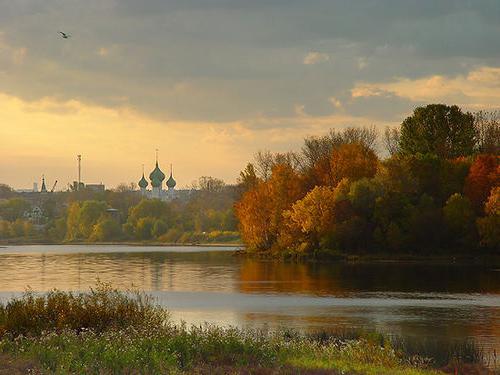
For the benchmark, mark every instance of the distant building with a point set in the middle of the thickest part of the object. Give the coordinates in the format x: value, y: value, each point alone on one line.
x: 97, y: 188
x: 156, y: 178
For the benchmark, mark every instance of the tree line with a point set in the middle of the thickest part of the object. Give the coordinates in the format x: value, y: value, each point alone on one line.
x: 437, y: 191
x: 205, y: 214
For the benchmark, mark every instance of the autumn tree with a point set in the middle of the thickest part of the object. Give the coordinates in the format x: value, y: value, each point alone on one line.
x: 483, y: 175
x: 266, y: 161
x: 352, y: 161
x: 248, y: 178
x: 260, y: 211
x: 438, y: 129
x: 253, y: 211
x: 313, y: 216
x: 316, y: 152
x: 489, y: 226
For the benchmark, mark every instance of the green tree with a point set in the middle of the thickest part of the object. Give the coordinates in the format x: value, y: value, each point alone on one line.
x: 459, y: 218
x: 106, y: 229
x: 149, y: 208
x: 17, y: 228
x: 144, y: 228
x: 57, y: 229
x: 5, y: 229
x: 73, y: 222
x: 14, y: 209
x: 6, y: 191
x: 423, y: 223
x: 363, y: 194
x: 159, y: 228
x: 90, y: 213
x: 394, y: 237
x: 438, y: 129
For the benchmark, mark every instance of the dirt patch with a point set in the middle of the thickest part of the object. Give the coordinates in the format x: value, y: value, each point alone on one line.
x: 466, y: 369
x: 257, y: 370
x: 10, y: 365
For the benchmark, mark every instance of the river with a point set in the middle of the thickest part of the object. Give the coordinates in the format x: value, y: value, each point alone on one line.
x: 207, y: 284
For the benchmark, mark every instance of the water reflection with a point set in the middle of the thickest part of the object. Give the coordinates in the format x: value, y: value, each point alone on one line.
x: 198, y: 285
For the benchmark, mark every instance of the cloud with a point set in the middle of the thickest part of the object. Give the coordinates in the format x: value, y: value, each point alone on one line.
x: 43, y: 136
x: 478, y: 89
x: 313, y: 58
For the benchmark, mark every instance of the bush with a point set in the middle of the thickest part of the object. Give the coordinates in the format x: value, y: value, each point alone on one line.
x: 100, y: 309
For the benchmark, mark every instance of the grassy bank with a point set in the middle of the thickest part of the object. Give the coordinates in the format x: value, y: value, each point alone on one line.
x: 110, y: 332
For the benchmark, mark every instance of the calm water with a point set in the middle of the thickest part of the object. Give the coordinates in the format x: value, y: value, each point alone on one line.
x: 210, y: 285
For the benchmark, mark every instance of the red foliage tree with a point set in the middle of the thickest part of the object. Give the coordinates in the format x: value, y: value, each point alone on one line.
x: 484, y: 174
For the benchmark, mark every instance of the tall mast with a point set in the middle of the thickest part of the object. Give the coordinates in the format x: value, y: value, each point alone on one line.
x: 79, y: 157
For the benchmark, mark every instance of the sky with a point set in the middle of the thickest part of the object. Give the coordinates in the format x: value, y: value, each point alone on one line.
x: 210, y: 82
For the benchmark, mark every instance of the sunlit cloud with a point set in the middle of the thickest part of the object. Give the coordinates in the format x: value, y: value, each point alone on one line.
x: 479, y: 89
x: 44, y: 136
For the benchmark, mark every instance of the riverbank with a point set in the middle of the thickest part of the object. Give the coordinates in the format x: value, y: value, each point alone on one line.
x: 333, y: 256
x: 107, y: 331
x: 122, y: 243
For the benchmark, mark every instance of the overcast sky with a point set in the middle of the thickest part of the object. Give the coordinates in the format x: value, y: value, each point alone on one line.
x: 210, y: 82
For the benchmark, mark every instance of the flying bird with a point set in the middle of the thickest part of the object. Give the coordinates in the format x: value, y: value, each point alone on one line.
x: 64, y: 35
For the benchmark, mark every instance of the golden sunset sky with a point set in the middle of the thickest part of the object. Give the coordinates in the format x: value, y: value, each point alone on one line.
x: 211, y: 82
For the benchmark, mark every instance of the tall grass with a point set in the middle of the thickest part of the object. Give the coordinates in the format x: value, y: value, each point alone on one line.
x: 100, y: 309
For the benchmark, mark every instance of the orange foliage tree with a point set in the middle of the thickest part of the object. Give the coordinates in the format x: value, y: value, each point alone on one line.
x: 352, y: 161
x: 260, y: 211
x: 312, y: 217
x: 489, y: 226
x: 484, y: 174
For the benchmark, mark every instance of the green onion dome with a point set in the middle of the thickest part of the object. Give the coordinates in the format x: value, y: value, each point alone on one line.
x: 157, y: 176
x: 143, y: 183
x: 171, y: 182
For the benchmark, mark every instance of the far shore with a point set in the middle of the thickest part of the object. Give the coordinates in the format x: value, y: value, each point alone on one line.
x: 461, y: 259
x: 122, y: 243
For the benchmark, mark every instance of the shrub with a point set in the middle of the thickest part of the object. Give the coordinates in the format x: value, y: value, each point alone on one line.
x: 100, y: 309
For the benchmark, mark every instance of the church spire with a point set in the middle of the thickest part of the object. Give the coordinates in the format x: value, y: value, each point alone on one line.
x: 171, y: 182
x: 143, y: 183
x: 156, y: 176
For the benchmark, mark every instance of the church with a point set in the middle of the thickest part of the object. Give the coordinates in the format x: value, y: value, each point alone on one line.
x: 156, y: 178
